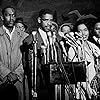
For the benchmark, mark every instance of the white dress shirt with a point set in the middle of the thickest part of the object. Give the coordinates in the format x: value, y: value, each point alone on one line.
x: 44, y: 36
x: 8, y: 32
x: 96, y: 39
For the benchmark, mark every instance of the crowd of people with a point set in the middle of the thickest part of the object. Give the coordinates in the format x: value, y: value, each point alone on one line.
x: 26, y: 59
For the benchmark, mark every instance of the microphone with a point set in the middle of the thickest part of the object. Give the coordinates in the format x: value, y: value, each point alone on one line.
x: 44, y: 48
x: 69, y: 33
x: 54, y: 26
x: 71, y: 40
x: 34, y: 37
x: 63, y: 47
x: 78, y: 35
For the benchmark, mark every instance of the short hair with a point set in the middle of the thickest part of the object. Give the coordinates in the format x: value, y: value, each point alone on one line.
x: 4, y: 9
x: 45, y: 11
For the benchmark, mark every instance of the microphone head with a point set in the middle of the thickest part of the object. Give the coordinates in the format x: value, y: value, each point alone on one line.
x: 77, y: 34
x: 61, y: 34
x: 71, y: 33
x: 34, y: 33
x: 54, y: 26
x: 61, y: 42
x: 34, y: 37
x: 43, y: 47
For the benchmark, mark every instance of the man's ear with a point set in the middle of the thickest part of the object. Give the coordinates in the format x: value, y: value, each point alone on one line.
x: 39, y: 20
x: 2, y: 18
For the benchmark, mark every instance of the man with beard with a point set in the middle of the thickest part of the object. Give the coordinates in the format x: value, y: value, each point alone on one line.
x: 11, y: 67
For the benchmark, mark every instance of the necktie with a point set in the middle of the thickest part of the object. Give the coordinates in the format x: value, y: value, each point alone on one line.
x: 49, y: 49
x: 55, y: 53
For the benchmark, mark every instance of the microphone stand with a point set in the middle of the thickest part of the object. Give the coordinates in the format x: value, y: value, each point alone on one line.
x: 34, y: 70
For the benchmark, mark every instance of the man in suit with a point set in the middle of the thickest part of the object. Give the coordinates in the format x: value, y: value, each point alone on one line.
x: 45, y: 37
x: 96, y: 33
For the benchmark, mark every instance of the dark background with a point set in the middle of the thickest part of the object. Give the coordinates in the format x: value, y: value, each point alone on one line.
x: 28, y: 9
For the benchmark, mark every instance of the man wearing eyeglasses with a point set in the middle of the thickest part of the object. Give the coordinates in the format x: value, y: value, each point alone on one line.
x: 44, y: 37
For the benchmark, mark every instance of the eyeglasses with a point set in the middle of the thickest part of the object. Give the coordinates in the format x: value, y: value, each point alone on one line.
x: 47, y: 20
x: 97, y: 28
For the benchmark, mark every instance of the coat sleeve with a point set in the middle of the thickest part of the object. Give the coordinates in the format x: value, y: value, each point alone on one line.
x: 4, y: 71
x: 20, y: 72
x: 20, y: 69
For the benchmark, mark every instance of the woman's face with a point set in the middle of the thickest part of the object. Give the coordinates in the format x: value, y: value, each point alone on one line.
x: 20, y: 26
x: 83, y: 31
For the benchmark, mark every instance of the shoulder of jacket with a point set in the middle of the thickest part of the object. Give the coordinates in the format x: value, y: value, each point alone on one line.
x: 1, y: 31
x: 21, y: 33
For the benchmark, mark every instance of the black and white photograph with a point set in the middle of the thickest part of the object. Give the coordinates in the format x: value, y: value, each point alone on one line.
x: 49, y: 49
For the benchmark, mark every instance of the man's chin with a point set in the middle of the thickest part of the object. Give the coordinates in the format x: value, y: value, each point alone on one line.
x: 46, y: 30
x: 10, y: 26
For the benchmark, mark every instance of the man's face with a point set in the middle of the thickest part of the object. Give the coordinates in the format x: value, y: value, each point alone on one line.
x: 97, y: 29
x: 9, y: 17
x: 46, y: 22
x: 83, y: 31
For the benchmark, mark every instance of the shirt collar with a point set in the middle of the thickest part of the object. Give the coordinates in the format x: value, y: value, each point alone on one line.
x: 43, y: 35
x: 95, y: 38
x: 41, y: 31
x: 8, y: 32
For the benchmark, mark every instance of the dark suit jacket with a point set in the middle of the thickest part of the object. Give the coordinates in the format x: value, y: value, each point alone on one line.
x: 91, y: 39
x: 28, y: 45
x: 29, y: 42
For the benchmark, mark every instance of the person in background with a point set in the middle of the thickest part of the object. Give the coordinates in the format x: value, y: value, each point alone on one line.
x: 88, y: 52
x: 19, y: 23
x: 95, y: 38
x: 64, y: 31
x: 11, y: 67
x: 95, y: 33
x: 66, y: 28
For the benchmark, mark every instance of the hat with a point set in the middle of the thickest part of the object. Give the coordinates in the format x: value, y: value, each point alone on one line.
x: 86, y: 17
x: 71, y: 17
x: 60, y: 28
x: 20, y: 20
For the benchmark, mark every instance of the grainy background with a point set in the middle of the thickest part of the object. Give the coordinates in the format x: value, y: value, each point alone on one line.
x: 28, y: 9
